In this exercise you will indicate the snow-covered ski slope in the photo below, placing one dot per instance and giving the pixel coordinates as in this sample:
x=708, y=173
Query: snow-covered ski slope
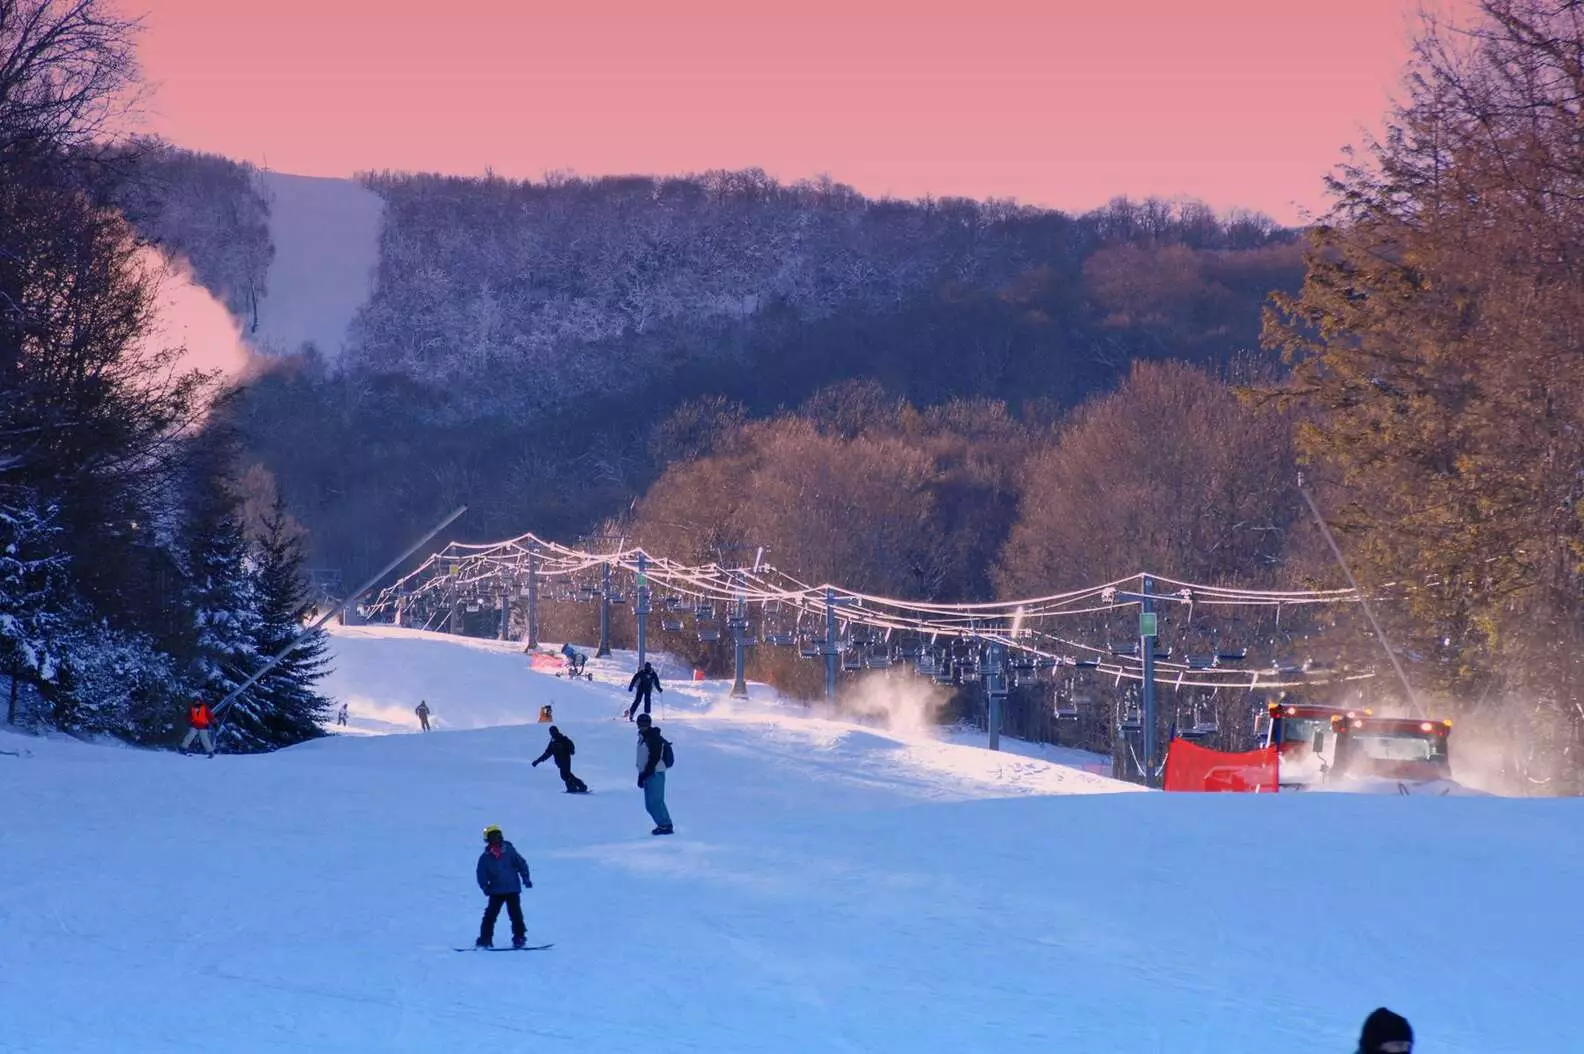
x=829, y=888
x=326, y=236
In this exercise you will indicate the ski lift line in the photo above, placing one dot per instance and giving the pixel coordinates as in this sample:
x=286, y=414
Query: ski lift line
x=489, y=563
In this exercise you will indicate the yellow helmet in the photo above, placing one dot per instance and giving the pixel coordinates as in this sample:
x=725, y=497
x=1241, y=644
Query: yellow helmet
x=491, y=829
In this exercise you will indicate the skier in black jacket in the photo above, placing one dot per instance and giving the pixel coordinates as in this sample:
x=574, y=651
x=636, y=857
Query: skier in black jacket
x=644, y=680
x=561, y=748
x=499, y=868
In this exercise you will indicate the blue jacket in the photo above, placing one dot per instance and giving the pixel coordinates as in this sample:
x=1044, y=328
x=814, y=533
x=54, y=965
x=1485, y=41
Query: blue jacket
x=498, y=874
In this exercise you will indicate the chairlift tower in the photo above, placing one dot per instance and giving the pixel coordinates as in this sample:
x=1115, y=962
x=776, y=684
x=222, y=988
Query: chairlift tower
x=641, y=607
x=604, y=649
x=739, y=688
x=996, y=690
x=832, y=602
x=531, y=636
x=1148, y=631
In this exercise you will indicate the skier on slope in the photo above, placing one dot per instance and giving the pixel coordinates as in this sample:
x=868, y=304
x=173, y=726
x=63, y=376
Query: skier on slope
x=499, y=867
x=1386, y=1033
x=644, y=680
x=653, y=751
x=198, y=719
x=341, y=715
x=422, y=710
x=561, y=748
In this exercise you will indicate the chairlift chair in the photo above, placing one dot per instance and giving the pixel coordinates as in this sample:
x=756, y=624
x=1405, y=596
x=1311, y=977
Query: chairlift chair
x=708, y=632
x=1205, y=720
x=1132, y=717
x=852, y=660
x=671, y=625
x=880, y=659
x=1127, y=649
x=809, y=648
x=704, y=612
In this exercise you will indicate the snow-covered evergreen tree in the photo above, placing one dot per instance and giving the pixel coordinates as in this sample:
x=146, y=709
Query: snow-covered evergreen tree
x=282, y=708
x=33, y=598
x=221, y=586
x=114, y=682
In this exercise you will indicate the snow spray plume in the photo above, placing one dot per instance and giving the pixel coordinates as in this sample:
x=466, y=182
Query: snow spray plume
x=187, y=316
x=899, y=703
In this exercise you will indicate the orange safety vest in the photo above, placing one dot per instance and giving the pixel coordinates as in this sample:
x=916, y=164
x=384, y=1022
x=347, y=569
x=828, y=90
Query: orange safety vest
x=200, y=715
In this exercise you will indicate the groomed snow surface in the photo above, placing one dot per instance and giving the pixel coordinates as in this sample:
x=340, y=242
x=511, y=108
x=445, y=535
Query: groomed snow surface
x=831, y=887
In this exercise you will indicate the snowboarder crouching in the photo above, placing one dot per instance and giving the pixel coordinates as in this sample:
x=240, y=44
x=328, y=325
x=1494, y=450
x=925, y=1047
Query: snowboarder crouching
x=499, y=866
x=653, y=751
x=561, y=748
x=198, y=719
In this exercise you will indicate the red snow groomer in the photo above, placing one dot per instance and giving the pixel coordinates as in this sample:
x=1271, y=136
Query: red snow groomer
x=1404, y=749
x=1304, y=735
x=1315, y=744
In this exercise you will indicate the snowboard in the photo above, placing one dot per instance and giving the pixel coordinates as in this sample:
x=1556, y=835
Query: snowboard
x=508, y=948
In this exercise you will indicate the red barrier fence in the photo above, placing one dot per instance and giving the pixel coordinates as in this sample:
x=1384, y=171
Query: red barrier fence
x=1190, y=767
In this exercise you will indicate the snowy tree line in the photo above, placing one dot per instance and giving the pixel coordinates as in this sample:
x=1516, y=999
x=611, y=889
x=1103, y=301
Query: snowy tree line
x=128, y=584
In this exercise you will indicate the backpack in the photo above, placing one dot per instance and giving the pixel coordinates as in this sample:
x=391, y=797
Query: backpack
x=667, y=756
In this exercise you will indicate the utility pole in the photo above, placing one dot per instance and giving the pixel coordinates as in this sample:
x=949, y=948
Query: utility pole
x=641, y=607
x=996, y=689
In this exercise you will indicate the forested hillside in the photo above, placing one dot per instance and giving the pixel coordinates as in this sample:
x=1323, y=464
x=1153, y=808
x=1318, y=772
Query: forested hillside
x=528, y=345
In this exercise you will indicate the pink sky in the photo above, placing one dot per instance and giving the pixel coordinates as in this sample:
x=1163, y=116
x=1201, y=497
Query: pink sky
x=1063, y=103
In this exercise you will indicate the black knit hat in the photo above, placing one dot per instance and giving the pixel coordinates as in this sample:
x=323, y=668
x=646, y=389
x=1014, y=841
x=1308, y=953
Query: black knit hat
x=1386, y=1033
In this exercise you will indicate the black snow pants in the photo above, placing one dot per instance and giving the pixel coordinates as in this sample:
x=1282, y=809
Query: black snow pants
x=513, y=902
x=573, y=784
x=642, y=699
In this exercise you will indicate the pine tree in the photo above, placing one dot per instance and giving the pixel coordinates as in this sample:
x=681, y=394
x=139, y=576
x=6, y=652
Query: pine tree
x=221, y=589
x=32, y=596
x=283, y=708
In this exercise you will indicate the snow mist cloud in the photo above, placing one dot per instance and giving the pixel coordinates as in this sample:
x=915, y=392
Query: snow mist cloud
x=900, y=703
x=187, y=316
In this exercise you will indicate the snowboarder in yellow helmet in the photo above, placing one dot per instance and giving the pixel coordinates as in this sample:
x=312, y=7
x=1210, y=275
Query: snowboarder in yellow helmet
x=502, y=876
